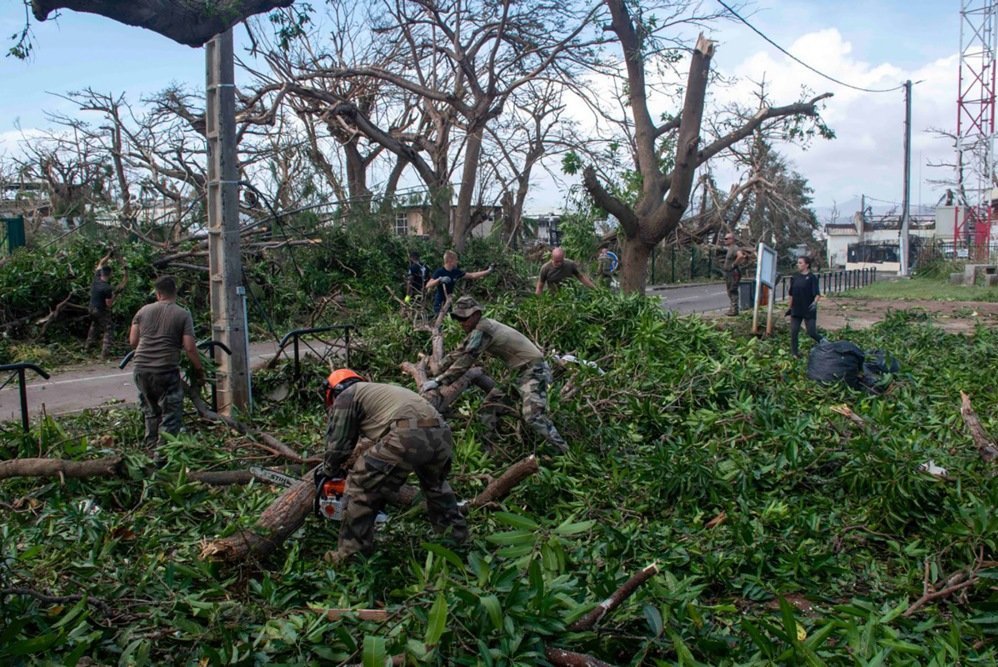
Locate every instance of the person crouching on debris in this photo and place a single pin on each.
(409, 436)
(519, 354)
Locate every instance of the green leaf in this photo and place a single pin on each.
(654, 618)
(517, 521)
(493, 609)
(445, 553)
(567, 529)
(512, 537)
(437, 620)
(375, 654)
(38, 644)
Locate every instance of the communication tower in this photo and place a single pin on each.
(975, 123)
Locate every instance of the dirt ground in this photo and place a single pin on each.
(954, 316)
(837, 312)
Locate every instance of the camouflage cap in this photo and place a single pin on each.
(466, 307)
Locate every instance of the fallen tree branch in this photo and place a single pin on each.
(590, 619)
(955, 582)
(845, 411)
(273, 445)
(501, 486)
(56, 599)
(106, 467)
(985, 445)
(284, 516)
(562, 658)
(376, 615)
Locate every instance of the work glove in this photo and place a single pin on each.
(787, 313)
(408, 298)
(429, 385)
(813, 307)
(446, 280)
(198, 377)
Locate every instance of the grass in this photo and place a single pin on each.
(932, 289)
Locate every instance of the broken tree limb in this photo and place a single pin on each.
(562, 658)
(955, 582)
(847, 412)
(284, 516)
(590, 619)
(376, 615)
(501, 486)
(443, 398)
(272, 444)
(985, 445)
(107, 467)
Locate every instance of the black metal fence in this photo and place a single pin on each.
(832, 281)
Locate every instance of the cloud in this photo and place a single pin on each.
(867, 155)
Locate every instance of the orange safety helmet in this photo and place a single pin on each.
(332, 386)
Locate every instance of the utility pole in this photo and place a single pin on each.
(228, 308)
(905, 199)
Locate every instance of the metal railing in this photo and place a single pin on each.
(18, 371)
(832, 281)
(297, 337)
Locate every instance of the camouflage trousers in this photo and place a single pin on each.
(732, 279)
(161, 397)
(533, 387)
(101, 322)
(383, 469)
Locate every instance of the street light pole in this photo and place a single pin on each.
(905, 200)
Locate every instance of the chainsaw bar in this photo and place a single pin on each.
(274, 477)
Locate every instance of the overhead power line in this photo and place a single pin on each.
(801, 62)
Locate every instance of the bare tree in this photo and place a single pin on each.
(665, 189)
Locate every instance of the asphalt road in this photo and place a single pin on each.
(76, 389)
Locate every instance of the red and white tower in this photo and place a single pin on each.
(975, 122)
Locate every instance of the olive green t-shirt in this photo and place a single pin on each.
(552, 275)
(162, 327)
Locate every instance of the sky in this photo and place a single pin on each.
(873, 44)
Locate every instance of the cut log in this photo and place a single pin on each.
(107, 467)
(286, 515)
(590, 619)
(376, 615)
(985, 445)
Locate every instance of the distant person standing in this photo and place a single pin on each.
(559, 269)
(159, 332)
(803, 303)
(416, 277)
(101, 299)
(735, 260)
(606, 264)
(445, 278)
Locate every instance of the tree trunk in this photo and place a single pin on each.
(462, 215)
(106, 467)
(634, 265)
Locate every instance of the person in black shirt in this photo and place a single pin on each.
(101, 298)
(417, 275)
(447, 276)
(803, 303)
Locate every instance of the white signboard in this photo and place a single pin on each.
(765, 271)
(765, 274)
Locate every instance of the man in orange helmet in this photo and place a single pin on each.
(409, 435)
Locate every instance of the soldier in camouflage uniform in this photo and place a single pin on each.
(519, 354)
(409, 435)
(734, 260)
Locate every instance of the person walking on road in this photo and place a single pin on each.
(409, 436)
(101, 321)
(802, 303)
(557, 270)
(734, 261)
(445, 278)
(518, 352)
(159, 332)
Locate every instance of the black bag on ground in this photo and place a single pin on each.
(878, 368)
(838, 361)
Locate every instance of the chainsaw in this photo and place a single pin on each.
(329, 501)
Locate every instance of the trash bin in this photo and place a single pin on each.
(746, 294)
